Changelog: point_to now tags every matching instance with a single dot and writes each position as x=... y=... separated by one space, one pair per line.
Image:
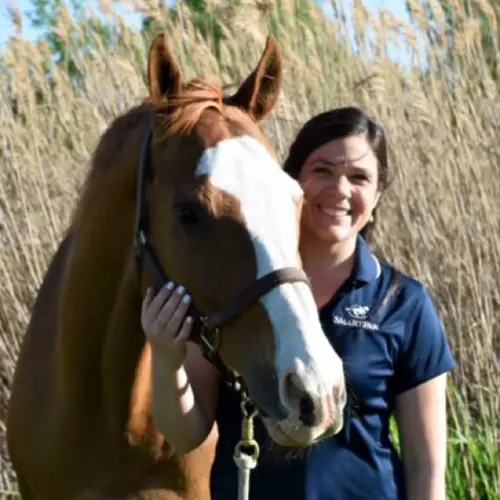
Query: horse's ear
x=259 y=92
x=164 y=75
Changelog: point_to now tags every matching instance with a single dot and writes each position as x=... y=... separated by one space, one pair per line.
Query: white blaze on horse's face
x=306 y=364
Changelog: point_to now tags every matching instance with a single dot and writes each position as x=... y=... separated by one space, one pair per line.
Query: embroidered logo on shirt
x=357 y=318
x=357 y=312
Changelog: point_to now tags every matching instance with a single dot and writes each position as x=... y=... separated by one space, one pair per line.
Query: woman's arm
x=184 y=384
x=421 y=419
x=184 y=399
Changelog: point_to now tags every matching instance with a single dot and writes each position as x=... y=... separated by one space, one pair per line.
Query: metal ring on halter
x=212 y=345
x=247 y=445
x=249 y=448
x=245 y=404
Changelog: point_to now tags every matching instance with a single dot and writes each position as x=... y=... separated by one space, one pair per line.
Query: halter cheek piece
x=207 y=327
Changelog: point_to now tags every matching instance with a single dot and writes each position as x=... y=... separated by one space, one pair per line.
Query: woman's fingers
x=146 y=301
x=178 y=315
x=165 y=323
x=158 y=302
x=165 y=314
x=185 y=331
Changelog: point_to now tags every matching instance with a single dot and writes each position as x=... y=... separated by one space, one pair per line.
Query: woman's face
x=340 y=182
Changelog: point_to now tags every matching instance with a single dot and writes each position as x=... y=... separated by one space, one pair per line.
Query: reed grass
x=439 y=221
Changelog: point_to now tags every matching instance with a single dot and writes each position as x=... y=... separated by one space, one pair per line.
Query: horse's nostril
x=307 y=414
x=300 y=401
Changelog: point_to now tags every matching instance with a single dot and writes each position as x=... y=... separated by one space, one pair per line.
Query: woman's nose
x=342 y=185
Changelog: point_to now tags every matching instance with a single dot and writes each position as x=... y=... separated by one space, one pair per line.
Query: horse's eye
x=187 y=213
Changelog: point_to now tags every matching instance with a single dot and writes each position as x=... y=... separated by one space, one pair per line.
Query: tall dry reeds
x=440 y=220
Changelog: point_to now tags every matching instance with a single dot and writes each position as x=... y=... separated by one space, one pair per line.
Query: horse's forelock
x=185 y=108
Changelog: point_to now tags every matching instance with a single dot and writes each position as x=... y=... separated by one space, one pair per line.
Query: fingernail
x=186 y=299
x=189 y=319
x=169 y=285
x=181 y=290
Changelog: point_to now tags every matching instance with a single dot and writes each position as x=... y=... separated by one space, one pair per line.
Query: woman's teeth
x=334 y=212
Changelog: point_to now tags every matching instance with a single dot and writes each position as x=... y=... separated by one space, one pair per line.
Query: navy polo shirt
x=384 y=326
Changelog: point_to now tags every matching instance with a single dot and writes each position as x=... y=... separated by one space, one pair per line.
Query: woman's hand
x=165 y=323
x=183 y=384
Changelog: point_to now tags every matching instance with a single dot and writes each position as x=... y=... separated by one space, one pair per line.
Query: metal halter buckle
x=209 y=338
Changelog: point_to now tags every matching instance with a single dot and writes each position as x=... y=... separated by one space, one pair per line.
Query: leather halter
x=207 y=327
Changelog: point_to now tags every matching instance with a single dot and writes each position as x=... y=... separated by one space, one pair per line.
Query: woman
x=382 y=323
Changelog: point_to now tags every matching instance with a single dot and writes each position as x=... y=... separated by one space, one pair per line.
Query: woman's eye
x=321 y=170
x=360 y=178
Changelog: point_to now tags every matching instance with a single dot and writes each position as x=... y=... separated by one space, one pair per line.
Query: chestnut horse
x=184 y=185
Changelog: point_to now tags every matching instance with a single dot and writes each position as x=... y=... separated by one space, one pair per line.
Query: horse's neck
x=100 y=336
x=126 y=358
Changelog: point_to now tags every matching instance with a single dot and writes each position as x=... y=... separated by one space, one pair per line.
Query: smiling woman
x=382 y=323
x=340 y=181
x=342 y=145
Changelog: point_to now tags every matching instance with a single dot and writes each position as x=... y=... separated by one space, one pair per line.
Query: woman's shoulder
x=409 y=288
x=406 y=300
x=424 y=351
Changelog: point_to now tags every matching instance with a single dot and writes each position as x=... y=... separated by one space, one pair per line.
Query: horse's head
x=221 y=214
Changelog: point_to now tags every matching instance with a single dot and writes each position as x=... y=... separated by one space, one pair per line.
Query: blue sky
x=397 y=7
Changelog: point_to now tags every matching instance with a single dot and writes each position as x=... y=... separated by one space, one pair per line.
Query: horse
x=182 y=187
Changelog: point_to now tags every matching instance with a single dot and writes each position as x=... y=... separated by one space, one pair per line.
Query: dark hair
x=338 y=124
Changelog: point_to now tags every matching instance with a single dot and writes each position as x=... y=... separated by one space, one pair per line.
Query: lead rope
x=246 y=452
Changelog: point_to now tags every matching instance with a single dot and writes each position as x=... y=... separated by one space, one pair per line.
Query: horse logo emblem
x=357 y=312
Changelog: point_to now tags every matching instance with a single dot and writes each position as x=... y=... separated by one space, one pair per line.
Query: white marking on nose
x=243 y=168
